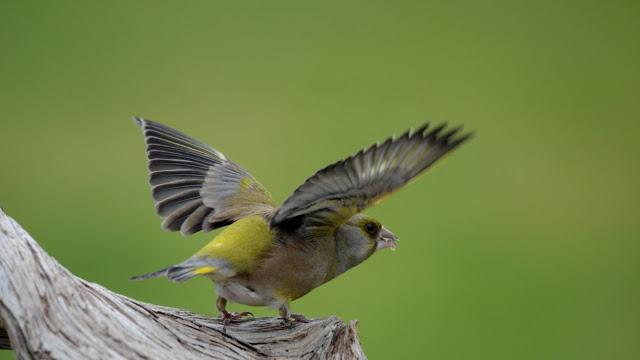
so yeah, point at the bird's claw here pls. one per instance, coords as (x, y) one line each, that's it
(228, 317)
(299, 318)
(295, 318)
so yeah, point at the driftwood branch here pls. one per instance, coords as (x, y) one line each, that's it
(48, 313)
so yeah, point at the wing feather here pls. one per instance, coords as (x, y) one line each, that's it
(336, 193)
(196, 187)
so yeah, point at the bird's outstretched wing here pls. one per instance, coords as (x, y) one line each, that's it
(336, 193)
(194, 186)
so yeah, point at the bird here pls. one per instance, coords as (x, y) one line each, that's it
(270, 255)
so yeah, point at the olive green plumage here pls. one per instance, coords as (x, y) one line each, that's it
(269, 255)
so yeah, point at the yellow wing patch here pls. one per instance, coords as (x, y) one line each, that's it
(241, 243)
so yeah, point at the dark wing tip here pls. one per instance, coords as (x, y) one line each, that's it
(421, 129)
(457, 137)
(138, 120)
(469, 135)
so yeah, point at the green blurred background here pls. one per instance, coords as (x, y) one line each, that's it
(524, 244)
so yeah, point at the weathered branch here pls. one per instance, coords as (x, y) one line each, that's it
(48, 313)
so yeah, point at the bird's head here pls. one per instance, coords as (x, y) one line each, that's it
(360, 237)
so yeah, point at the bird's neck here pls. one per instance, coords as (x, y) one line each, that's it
(346, 257)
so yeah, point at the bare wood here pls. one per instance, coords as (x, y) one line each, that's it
(48, 313)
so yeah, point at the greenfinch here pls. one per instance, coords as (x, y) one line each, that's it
(269, 255)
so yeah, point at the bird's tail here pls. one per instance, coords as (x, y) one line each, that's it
(178, 273)
(152, 275)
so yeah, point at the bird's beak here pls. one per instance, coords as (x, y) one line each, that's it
(387, 239)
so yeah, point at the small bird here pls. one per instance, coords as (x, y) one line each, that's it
(269, 255)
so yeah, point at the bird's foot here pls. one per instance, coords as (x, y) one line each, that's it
(295, 318)
(299, 318)
(228, 317)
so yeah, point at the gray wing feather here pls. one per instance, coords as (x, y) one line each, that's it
(340, 190)
(194, 186)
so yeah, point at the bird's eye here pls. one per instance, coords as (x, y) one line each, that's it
(370, 228)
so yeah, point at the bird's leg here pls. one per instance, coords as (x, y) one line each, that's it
(284, 311)
(228, 317)
(288, 317)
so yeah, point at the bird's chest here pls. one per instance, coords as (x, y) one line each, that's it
(291, 272)
(283, 275)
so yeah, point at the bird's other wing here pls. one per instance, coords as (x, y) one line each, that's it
(334, 194)
(194, 186)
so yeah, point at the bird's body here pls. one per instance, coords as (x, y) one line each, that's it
(270, 268)
(269, 255)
